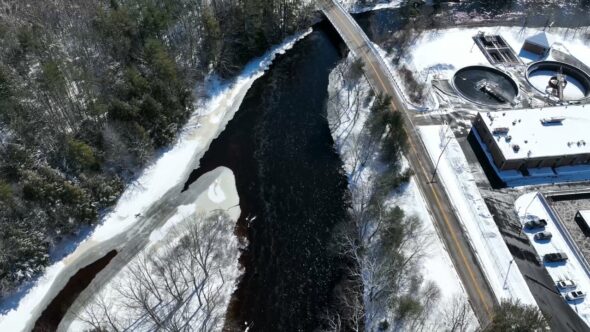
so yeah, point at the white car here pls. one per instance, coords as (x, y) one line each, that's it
(566, 284)
(575, 295)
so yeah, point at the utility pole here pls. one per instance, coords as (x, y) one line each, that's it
(525, 213)
(439, 157)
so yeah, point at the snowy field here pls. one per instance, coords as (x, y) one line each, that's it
(168, 171)
(440, 53)
(436, 265)
(532, 205)
(493, 255)
(347, 120)
(221, 195)
(431, 54)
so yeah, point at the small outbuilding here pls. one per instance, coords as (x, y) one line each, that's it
(538, 44)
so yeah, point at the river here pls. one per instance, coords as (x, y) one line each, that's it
(292, 188)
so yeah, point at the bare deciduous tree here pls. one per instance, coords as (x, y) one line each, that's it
(178, 287)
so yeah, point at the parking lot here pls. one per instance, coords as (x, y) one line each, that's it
(533, 206)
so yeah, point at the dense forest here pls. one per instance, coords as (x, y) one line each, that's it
(90, 89)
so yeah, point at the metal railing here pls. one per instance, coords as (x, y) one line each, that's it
(385, 68)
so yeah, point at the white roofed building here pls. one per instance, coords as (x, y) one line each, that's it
(538, 44)
(536, 138)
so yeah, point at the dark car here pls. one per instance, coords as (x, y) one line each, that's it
(544, 235)
(535, 223)
(555, 257)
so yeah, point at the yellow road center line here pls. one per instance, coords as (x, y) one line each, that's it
(433, 191)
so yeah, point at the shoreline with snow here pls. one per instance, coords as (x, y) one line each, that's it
(168, 172)
(355, 8)
(218, 193)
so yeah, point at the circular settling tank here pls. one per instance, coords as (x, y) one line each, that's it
(551, 76)
(485, 85)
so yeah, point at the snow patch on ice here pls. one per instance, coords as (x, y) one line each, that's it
(168, 236)
(182, 213)
(215, 192)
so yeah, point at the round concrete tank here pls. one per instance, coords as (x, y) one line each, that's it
(545, 77)
(485, 85)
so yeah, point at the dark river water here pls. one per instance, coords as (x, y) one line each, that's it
(292, 189)
(290, 182)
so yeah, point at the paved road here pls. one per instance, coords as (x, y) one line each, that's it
(480, 294)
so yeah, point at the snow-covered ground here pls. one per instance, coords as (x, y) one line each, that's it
(491, 251)
(347, 113)
(168, 171)
(222, 195)
(436, 265)
(440, 53)
(432, 55)
(532, 205)
(358, 6)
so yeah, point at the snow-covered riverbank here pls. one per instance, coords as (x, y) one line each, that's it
(166, 174)
(359, 6)
(348, 109)
(218, 195)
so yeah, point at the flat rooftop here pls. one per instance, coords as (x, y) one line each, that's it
(541, 132)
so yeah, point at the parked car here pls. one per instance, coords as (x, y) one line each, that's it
(535, 223)
(566, 284)
(575, 295)
(544, 235)
(555, 257)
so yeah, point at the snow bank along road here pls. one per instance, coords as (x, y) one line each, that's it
(149, 202)
(479, 291)
(486, 241)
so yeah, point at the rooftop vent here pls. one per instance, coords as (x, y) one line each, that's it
(516, 148)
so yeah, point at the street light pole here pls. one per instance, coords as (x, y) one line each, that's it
(525, 212)
(439, 157)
